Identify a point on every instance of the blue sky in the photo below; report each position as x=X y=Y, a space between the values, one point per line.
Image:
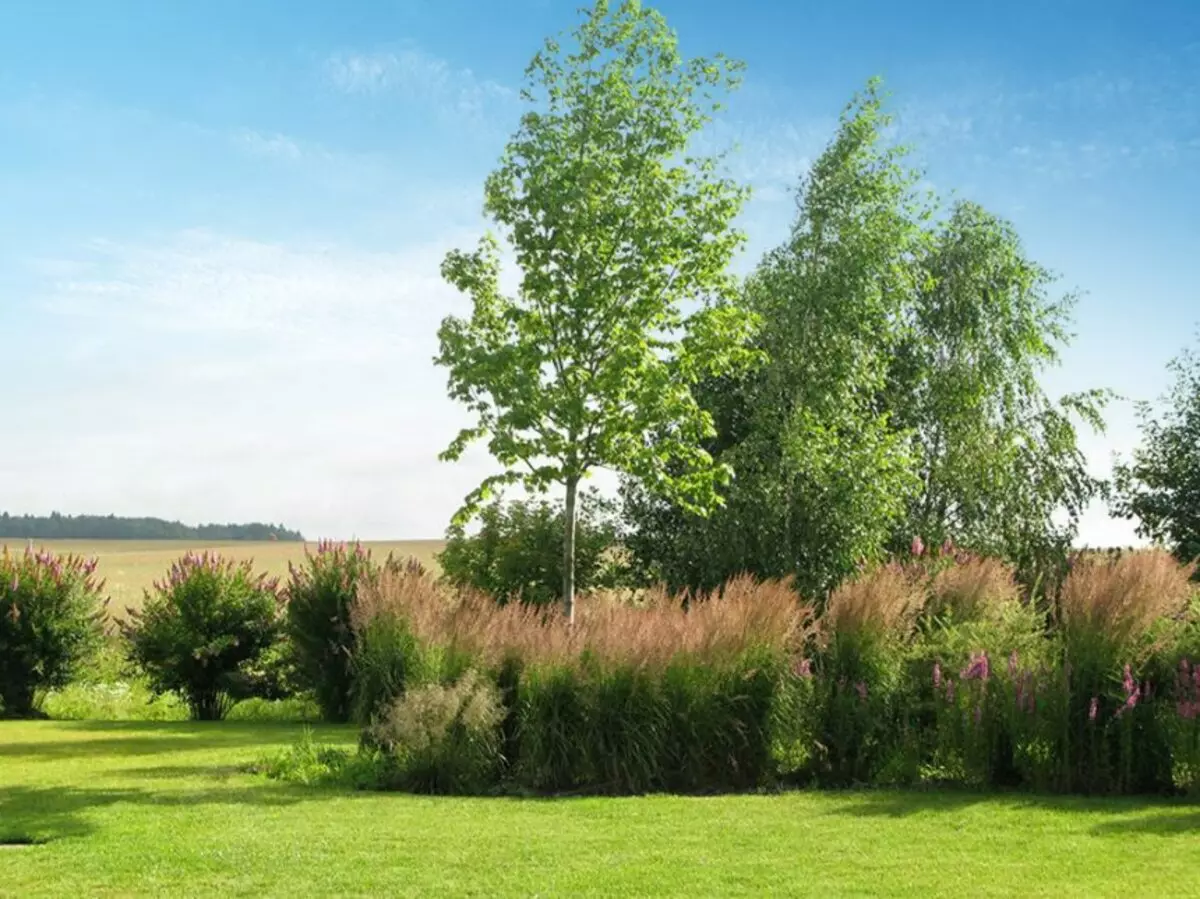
x=221 y=222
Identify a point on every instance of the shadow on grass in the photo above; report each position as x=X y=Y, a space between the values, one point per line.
x=43 y=814
x=1165 y=824
x=904 y=803
x=137 y=738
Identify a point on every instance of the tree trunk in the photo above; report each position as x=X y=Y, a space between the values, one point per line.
x=569 y=551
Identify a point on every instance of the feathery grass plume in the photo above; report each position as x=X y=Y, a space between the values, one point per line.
x=884 y=600
x=972 y=589
x=1121 y=598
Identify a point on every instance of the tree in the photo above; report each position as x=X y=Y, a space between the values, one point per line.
x=518 y=551
x=998 y=460
x=901 y=398
x=618 y=231
x=1160 y=486
x=821 y=473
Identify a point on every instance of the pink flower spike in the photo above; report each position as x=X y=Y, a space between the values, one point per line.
x=918 y=546
x=937 y=674
x=1093 y=709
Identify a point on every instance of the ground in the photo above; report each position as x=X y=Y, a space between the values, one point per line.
x=153 y=808
x=131 y=566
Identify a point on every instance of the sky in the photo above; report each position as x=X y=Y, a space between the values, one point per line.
x=221 y=223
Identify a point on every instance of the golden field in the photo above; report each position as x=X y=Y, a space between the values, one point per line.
x=129 y=567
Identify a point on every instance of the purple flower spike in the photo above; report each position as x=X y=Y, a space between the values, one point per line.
x=937 y=675
x=1093 y=709
x=918 y=546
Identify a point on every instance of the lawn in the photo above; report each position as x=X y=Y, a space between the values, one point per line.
x=130 y=566
x=165 y=809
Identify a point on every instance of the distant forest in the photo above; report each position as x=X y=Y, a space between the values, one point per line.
x=111 y=527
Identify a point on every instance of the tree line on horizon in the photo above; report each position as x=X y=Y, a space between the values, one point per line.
x=57 y=526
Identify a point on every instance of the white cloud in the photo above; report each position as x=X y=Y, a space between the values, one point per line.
x=418 y=76
x=272 y=146
x=211 y=377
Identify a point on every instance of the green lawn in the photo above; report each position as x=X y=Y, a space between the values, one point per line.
x=156 y=808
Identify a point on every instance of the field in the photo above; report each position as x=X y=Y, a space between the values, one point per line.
x=132 y=809
x=130 y=566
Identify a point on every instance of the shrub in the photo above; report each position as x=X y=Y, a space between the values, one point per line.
x=1116 y=616
x=318 y=598
x=50 y=623
x=865 y=632
x=663 y=693
x=444 y=738
x=518 y=550
x=388 y=654
x=200 y=632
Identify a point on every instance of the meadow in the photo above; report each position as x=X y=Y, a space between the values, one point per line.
x=129 y=567
x=151 y=808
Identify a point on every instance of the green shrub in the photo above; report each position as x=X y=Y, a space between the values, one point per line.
x=518 y=550
x=50 y=623
x=444 y=738
x=201 y=632
x=318 y=598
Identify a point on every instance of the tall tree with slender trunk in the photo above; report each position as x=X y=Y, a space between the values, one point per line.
x=622 y=237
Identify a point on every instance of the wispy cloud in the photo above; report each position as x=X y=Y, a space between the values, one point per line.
x=418 y=76
x=270 y=146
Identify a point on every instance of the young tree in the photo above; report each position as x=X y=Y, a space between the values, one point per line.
x=1160 y=486
x=998 y=460
x=618 y=232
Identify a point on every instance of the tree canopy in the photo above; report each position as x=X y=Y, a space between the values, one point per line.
x=900 y=398
x=1160 y=485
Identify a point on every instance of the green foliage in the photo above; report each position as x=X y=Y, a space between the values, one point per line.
x=996 y=458
x=901 y=394
x=693 y=726
x=202 y=629
x=822 y=477
x=318 y=598
x=518 y=551
x=50 y=624
x=615 y=226
x=387 y=659
x=1160 y=486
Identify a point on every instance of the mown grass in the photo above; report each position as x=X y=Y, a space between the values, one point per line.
x=128 y=567
x=156 y=808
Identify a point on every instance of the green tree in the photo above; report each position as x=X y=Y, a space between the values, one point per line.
x=999 y=462
x=518 y=551
x=1160 y=485
x=821 y=473
x=901 y=398
x=622 y=238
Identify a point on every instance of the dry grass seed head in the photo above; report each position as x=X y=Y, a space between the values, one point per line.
x=973 y=589
x=1123 y=596
x=884 y=600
